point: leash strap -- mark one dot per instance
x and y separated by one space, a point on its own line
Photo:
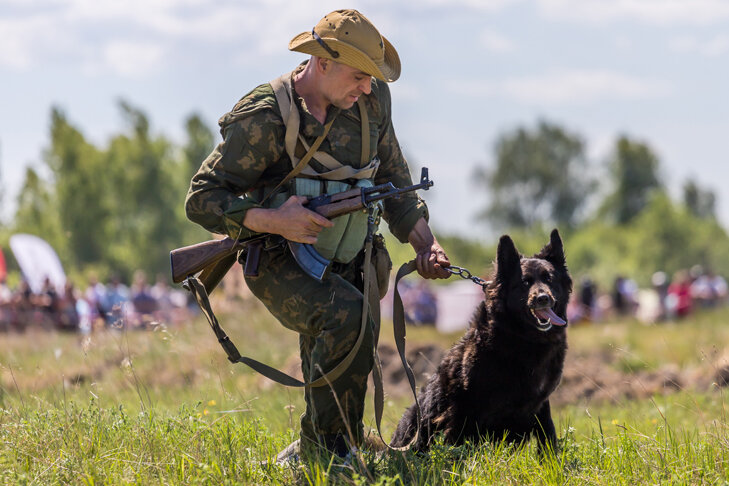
398 325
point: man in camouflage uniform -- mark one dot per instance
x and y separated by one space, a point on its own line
226 193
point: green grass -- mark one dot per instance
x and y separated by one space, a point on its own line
166 407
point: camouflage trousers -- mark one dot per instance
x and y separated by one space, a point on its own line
327 315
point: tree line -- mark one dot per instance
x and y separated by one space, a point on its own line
114 208
118 207
617 214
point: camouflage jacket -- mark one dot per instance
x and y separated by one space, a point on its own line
252 156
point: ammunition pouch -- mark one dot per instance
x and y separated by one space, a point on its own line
343 241
382 264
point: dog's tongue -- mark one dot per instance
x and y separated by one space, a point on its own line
549 314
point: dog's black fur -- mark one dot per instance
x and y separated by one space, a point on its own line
496 381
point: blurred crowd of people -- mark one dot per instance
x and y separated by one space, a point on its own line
420 302
666 299
113 304
141 305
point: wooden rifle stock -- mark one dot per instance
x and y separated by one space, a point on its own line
192 259
189 260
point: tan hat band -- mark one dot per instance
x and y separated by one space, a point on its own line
321 42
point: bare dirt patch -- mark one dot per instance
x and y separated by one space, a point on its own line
591 377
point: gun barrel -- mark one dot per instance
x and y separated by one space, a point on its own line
372 196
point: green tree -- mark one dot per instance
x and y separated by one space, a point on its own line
199 144
145 192
118 208
701 202
634 171
81 190
656 239
541 177
37 213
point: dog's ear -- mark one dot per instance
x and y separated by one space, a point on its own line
508 260
553 251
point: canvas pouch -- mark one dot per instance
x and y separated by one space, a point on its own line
382 264
342 242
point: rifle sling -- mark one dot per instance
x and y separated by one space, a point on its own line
211 276
370 300
198 290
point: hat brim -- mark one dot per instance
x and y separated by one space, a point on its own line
388 70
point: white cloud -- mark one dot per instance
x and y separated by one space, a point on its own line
487 5
90 32
568 87
23 41
133 59
495 42
650 11
42 31
31 32
714 47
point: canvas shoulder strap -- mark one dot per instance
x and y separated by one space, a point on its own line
335 170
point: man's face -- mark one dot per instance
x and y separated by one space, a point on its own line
343 84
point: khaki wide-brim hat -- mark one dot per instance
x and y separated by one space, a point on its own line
348 37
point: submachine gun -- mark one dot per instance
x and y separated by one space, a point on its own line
214 258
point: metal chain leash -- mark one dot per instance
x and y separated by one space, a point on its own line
465 274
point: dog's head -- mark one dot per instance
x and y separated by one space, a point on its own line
533 290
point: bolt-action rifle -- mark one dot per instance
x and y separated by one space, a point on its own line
214 258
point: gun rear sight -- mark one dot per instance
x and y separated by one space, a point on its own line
382 191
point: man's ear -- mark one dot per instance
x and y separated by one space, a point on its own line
321 63
508 260
553 251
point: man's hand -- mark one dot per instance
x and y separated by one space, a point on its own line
290 220
430 258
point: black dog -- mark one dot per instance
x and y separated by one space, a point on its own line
496 381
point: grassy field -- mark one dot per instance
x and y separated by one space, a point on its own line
166 407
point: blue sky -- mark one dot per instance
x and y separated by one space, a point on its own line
656 70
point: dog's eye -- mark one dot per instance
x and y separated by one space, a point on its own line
528 281
546 277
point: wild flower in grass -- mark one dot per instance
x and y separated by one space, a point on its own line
212 403
126 362
290 408
615 422
86 345
161 328
206 412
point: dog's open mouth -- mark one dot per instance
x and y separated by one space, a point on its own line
546 318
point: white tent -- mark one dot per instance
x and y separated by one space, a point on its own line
456 304
37 261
